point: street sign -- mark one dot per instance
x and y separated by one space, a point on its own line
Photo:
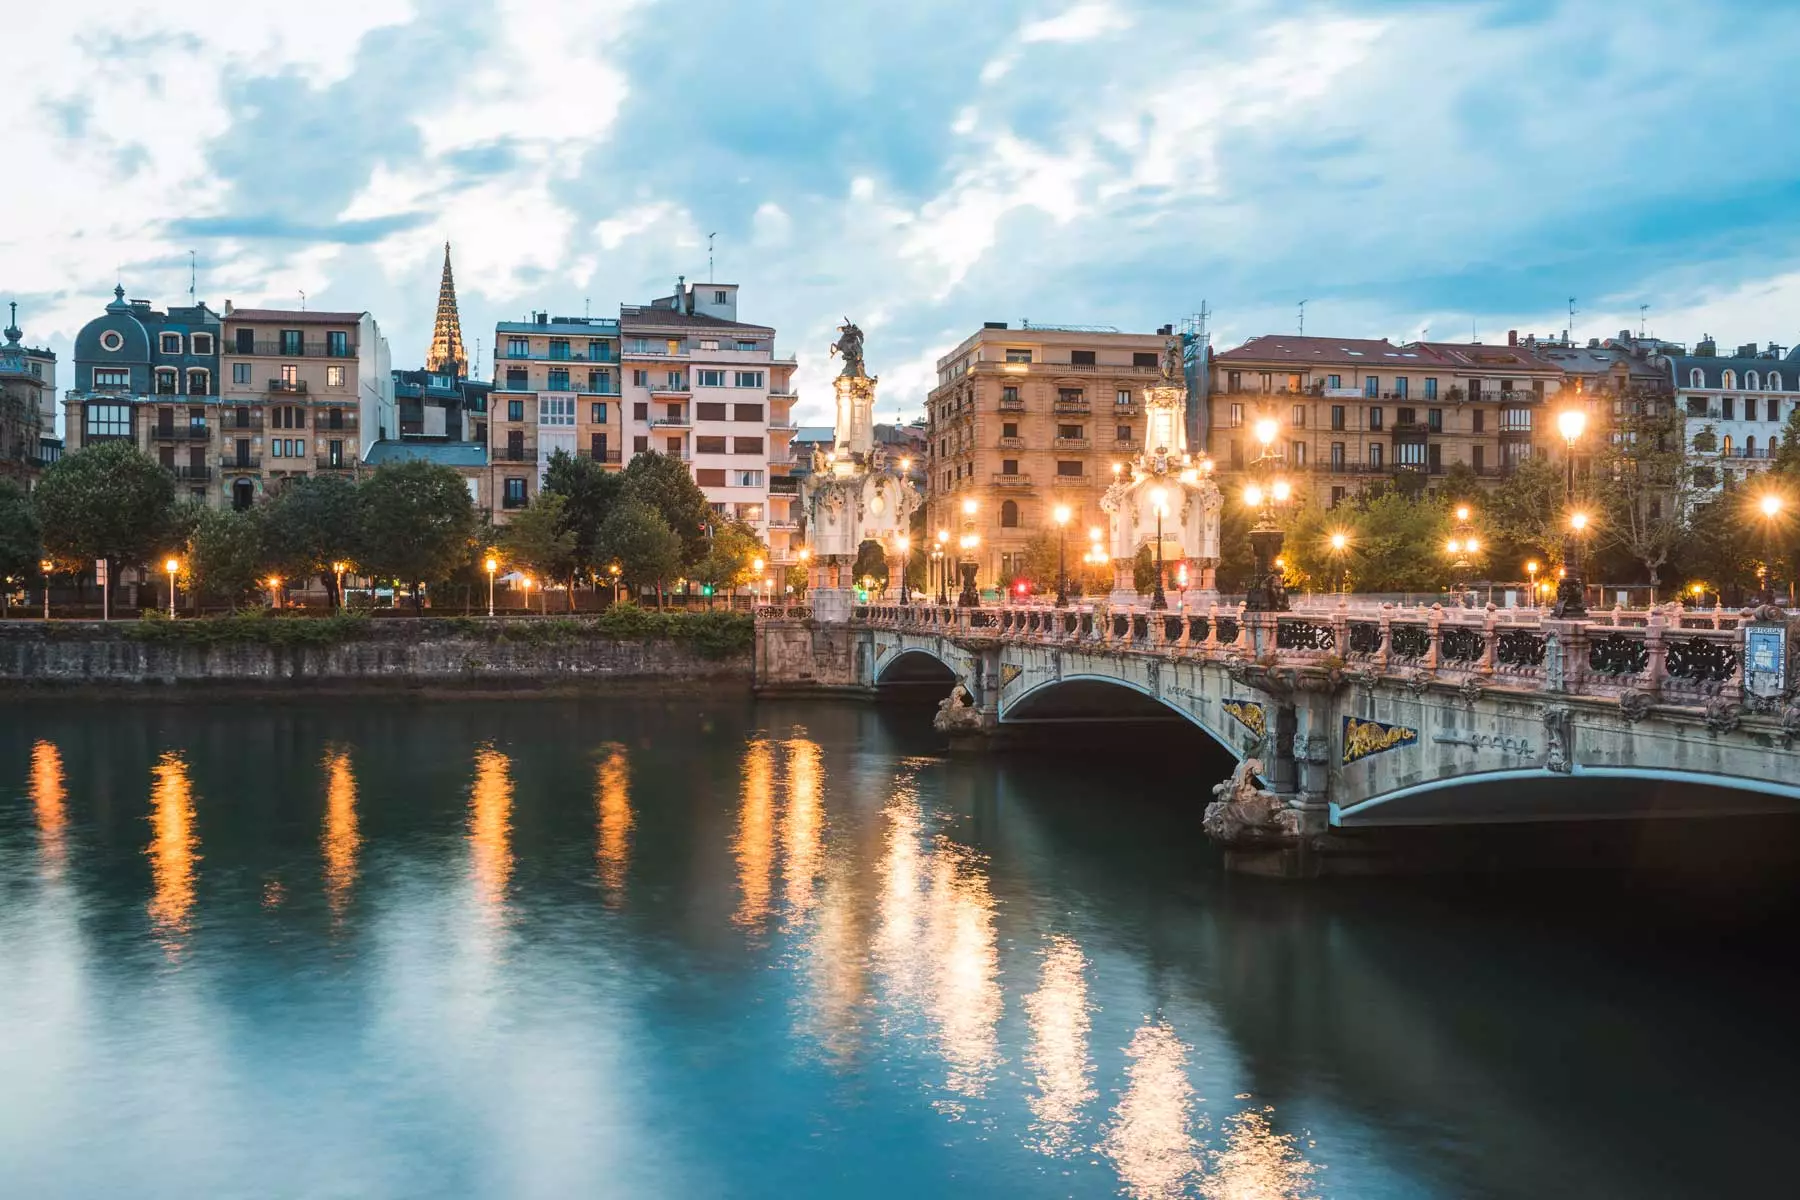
1765 658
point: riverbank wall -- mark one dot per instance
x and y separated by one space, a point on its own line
443 656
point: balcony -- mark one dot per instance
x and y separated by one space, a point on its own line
1515 433
301 349
285 387
1063 405
1011 480
341 462
1013 405
180 433
229 423
240 462
1127 445
608 457
669 389
188 473
1130 408
1411 429
1012 443
671 422
784 485
1075 443
515 454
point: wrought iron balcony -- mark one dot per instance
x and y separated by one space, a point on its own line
284 349
285 387
240 462
599 456
181 433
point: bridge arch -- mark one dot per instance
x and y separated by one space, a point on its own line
1016 709
1587 793
910 663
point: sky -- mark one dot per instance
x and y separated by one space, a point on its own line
1404 168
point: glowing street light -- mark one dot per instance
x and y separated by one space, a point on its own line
1253 496
46 566
492 565
172 566
1531 570
337 569
1571 592
274 591
1339 542
1062 514
1265 430
1770 506
1159 499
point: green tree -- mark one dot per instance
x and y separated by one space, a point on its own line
1395 544
1642 485
1526 513
590 491
1721 548
1785 462
309 525
106 501
727 561
539 540
637 538
871 563
21 542
415 523
225 554
665 485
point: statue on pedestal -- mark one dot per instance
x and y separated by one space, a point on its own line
850 345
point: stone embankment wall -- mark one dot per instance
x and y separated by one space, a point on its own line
449 656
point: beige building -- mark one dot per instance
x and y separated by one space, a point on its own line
1025 419
1352 411
301 393
556 387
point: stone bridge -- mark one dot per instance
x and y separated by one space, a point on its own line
1362 715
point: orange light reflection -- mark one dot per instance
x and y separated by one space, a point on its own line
49 797
1256 1161
1150 1138
802 828
754 845
339 840
1058 1018
612 798
490 827
172 848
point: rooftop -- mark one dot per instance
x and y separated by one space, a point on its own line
447 454
1481 355
293 316
1281 348
644 316
576 326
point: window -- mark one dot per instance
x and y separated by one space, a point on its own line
518 347
1696 406
169 343
672 345
1122 433
199 383
1375 455
240 372
1298 420
1400 387
1018 356
1375 420
1696 378
202 343
556 410
246 341
1081 358
1728 408
1478 458
516 379
1070 431
1405 416
1235 417
1071 396
1750 381
334 377
710 412
108 377
746 445
1479 420
721 297
1122 398
515 410
515 492
1144 358
106 420
1009 395
673 447
710 476
1750 446
1337 496
1409 454
749 379
337 344
1431 388
1008 466
165 381
1725 445
1372 386
1774 381
278 447
640 411
1434 420
640 445
336 418
1297 454
1009 514
712 378
709 445
639 345
1069 468
1337 456
750 479
558 380
674 381
1334 381
1234 381
1728 380
596 414
1774 409
559 349
291 342
747 412
746 345
290 375
1010 429
640 379
599 351
1515 420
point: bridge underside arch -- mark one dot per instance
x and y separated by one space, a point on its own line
913 665
1588 794
1099 700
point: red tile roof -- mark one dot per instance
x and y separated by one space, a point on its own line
294 316
1484 357
1285 348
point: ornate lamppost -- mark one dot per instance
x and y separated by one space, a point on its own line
1570 591
46 566
338 568
1770 507
172 566
1159 500
1266 593
1531 570
1062 516
1340 543
493 565
966 564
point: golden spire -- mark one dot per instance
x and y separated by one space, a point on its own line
447 356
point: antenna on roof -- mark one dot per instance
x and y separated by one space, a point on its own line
709 256
585 302
302 301
1643 311
1569 333
193 277
477 374
1303 305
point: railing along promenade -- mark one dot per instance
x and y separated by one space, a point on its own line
1670 655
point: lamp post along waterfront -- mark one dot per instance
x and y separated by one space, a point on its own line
1267 593
172 566
1570 591
492 566
46 566
1063 515
1770 507
1159 499
968 597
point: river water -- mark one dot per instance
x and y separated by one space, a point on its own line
709 947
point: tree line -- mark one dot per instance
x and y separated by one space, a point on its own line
413 523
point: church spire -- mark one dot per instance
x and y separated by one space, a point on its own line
447 356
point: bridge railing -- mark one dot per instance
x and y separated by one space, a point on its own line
1672 655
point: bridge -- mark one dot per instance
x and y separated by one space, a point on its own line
1346 714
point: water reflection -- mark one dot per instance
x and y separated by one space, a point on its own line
339 840
1058 1015
966 998
490 828
802 827
172 848
49 798
612 798
1150 1138
1256 1162
754 845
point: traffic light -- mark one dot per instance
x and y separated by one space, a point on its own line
1021 587
706 589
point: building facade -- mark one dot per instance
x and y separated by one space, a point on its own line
1024 420
556 387
303 393
28 440
1734 409
151 378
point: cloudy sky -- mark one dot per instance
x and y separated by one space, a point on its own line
921 166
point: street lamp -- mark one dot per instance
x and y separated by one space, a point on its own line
1340 542
525 593
1159 499
172 566
1699 592
1267 592
614 570
274 591
903 544
1770 507
942 554
338 568
1062 515
1570 592
1531 570
492 565
756 566
46 566
966 565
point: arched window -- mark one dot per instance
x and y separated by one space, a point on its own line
1725 445
1009 515
199 382
1697 378
1774 381
1728 380
1750 446
1751 382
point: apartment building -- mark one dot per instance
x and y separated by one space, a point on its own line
302 393
556 387
702 386
1734 409
28 441
1355 410
150 378
1022 420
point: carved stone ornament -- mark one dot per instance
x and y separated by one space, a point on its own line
1722 715
1313 748
1245 815
1417 682
1634 706
957 713
1470 690
1559 739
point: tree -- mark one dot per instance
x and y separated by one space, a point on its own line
1720 549
309 525
225 554
1526 512
590 491
106 501
21 543
664 484
637 538
1039 566
727 561
414 523
1643 485
538 540
871 563
1395 544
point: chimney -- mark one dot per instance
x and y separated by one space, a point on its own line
1512 337
228 306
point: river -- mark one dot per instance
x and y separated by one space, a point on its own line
680 946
